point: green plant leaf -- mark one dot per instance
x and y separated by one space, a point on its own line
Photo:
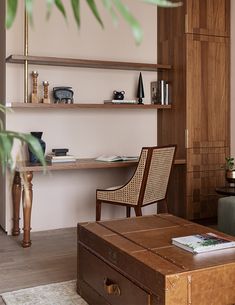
130 19
93 7
8 137
6 143
49 4
164 3
29 9
76 10
11 12
61 8
108 5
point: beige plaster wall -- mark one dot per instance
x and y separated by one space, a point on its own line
61 199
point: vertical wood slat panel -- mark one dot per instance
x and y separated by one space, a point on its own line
207 89
207 158
208 17
195 39
201 196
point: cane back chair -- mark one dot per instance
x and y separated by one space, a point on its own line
148 185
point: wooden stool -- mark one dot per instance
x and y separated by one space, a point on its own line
226 215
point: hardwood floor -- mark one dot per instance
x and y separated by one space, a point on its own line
52 258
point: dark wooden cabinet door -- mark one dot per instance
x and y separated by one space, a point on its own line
207 17
207 92
205 172
202 199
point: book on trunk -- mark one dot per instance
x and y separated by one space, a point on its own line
200 243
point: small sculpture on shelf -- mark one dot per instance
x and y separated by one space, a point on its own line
46 98
63 95
34 95
118 95
140 90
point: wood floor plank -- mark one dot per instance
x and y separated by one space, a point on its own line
52 258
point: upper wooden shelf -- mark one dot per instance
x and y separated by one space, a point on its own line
85 106
85 63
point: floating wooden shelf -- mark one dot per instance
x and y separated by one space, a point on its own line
85 106
84 63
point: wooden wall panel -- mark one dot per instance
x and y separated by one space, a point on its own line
206 159
194 39
208 81
208 17
172 124
201 196
177 191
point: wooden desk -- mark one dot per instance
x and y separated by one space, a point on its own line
24 171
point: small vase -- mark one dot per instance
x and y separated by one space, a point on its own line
38 135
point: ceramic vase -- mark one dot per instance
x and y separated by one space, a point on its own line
38 135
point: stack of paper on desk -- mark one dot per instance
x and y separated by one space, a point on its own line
60 159
116 158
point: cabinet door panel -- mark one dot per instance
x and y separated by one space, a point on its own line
201 196
208 17
207 92
206 159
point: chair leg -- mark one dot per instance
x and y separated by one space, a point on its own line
138 211
128 211
98 210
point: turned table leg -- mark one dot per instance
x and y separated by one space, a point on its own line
16 196
27 207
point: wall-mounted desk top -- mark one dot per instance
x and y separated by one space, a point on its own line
86 163
25 170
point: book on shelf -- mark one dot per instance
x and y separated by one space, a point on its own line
115 158
60 159
200 243
120 101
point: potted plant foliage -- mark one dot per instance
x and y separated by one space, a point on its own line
230 170
7 139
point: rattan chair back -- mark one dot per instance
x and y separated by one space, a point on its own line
148 184
157 174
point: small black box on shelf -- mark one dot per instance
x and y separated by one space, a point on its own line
60 151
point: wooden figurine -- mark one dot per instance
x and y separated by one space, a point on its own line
34 95
46 98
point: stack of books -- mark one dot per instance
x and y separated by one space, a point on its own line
52 158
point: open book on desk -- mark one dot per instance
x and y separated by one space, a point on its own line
116 158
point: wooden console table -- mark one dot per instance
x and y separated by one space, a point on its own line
25 190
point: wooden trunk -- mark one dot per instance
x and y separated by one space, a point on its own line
132 262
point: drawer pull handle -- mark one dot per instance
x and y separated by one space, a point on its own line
111 288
